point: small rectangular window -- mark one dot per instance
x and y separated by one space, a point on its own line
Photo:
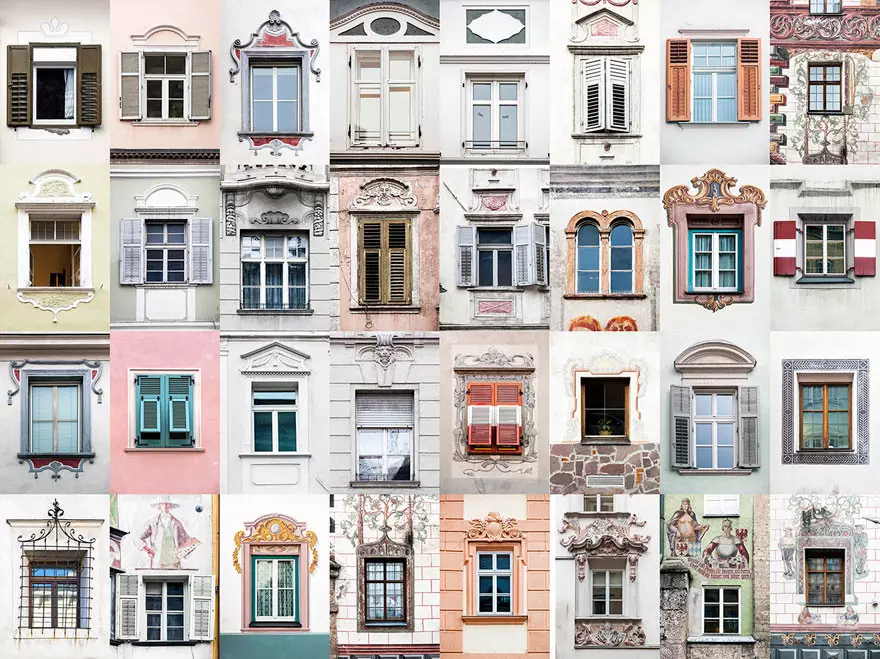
715 429
385 425
607 593
55 246
274 271
495 583
721 505
53 589
825 249
715 260
599 503
165 610
165 82
825 576
384 112
274 409
275 586
164 411
55 418
720 610
275 98
494 257
495 114
605 404
826 411
166 252
714 81
825 87
385 597
385 268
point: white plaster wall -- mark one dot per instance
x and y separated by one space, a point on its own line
822 477
854 189
741 143
739 316
237 509
88 515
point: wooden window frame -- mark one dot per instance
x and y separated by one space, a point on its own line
607 598
599 500
721 590
384 252
387 136
53 582
825 411
583 393
825 84
825 555
385 621
824 241
494 448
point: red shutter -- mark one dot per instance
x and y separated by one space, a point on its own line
865 238
678 80
784 248
508 416
750 102
480 402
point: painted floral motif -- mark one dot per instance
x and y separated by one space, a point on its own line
397 512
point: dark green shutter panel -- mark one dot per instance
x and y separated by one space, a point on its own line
371 270
18 74
89 78
749 448
680 398
149 410
180 410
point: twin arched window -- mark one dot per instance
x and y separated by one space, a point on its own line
590 257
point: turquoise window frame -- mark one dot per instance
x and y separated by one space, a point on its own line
174 403
739 261
296 591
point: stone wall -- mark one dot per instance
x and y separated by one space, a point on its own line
571 465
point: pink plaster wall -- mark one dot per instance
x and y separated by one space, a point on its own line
195 18
180 471
425 191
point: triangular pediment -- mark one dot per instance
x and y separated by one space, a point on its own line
604 14
276 358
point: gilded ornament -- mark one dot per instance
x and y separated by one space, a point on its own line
276 529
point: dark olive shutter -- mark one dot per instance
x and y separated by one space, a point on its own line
200 85
749 448
398 263
18 75
371 262
680 398
88 72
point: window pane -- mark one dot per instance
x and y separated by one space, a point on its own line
154 64
502 561
704 457
286 431
507 91
400 109
400 65
262 83
621 282
55 93
176 234
838 397
703 435
588 282
507 125
482 91
621 236
702 97
838 430
262 116
502 584
503 604
485 585
370 442
505 268
703 404
262 432
68 436
724 404
399 442
288 119
398 469
812 430
726 96
485 561
588 235
724 433
621 258
288 83
482 125
588 258
369 66
273 397
485 604
175 64
725 457
812 397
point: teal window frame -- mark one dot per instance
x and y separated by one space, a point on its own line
274 410
739 261
169 424
277 622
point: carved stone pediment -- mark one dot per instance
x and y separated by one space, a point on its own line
384 547
714 356
275 359
384 195
608 536
494 360
385 362
714 189
494 528
276 218
277 532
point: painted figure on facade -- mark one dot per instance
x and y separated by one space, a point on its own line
727 550
848 617
786 547
806 618
684 531
164 538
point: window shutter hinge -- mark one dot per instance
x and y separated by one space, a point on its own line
527 84
349 130
462 85
349 61
420 131
210 101
420 61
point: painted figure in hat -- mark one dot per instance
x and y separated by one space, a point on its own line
164 538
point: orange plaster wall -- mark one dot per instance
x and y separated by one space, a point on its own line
453 550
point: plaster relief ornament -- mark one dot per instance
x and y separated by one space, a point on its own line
608 634
164 538
727 550
384 194
496 26
684 531
714 190
277 529
610 536
494 529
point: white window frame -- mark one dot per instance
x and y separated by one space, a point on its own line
55 64
164 247
494 574
721 619
274 560
495 103
720 505
165 78
385 83
716 277
606 95
607 571
164 613
715 70
823 5
494 248
593 503
284 260
714 420
274 66
413 467
274 409
54 384
77 248
824 226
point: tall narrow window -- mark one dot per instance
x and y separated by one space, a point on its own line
384 260
621 259
166 252
606 90
825 87
274 271
275 99
385 582
494 257
588 258
714 429
55 247
826 416
495 114
607 596
720 610
54 594
274 411
384 97
494 581
165 610
55 418
715 260
825 249
714 81
165 78
825 576
385 424
274 589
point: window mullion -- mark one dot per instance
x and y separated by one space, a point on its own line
262 279
275 99
55 418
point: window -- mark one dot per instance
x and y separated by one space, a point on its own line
275 588
825 6
166 252
715 260
55 249
494 578
588 258
605 404
826 411
165 610
274 411
495 116
599 503
164 411
494 417
275 98
825 576
825 249
606 252
54 93
54 595
274 271
607 595
606 85
165 78
621 259
494 257
720 610
720 505
714 81
384 97
825 87
384 260
385 424
55 418
714 429
385 591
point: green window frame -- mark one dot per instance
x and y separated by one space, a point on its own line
275 619
164 411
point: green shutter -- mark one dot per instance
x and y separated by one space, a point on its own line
149 410
180 410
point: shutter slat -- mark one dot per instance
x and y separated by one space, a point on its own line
130 86
200 85
594 95
149 406
522 251
467 237
89 74
508 416
18 97
678 80
127 587
680 398
201 251
202 607
749 449
131 268
618 94
384 410
539 238
749 80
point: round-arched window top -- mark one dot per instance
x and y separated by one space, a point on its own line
621 235
588 235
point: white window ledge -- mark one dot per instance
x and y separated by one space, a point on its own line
273 454
167 124
144 449
714 472
729 638
55 289
385 484
715 124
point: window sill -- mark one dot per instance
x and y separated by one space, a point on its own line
56 289
713 472
392 627
276 624
167 643
621 440
608 618
494 620
51 126
245 133
180 123
824 280
820 113
731 638
386 308
496 289
712 124
384 484
825 450
604 296
605 135
690 291
273 312
58 456
138 449
164 286
273 454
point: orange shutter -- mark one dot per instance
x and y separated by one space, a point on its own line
678 80
508 416
480 402
749 80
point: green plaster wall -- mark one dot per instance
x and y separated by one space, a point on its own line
289 646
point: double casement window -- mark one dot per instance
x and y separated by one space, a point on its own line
164 610
385 596
53 85
825 87
494 416
599 503
164 87
274 409
54 417
825 6
825 249
501 257
385 425
385 262
826 416
589 259
494 583
824 574
721 505
721 610
275 98
715 429
607 592
606 94
166 252
164 411
715 260
54 594
275 586
605 406
713 81
55 248
495 116
274 271
384 102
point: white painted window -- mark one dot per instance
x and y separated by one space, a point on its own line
494 583
275 98
714 82
55 248
384 101
825 249
165 79
721 610
721 505
166 252
599 503
275 585
715 261
495 117
607 592
715 429
606 94
274 412
274 271
385 426
54 89
165 610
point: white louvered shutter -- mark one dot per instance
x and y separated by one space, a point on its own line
539 241
127 590
130 86
617 94
523 248
202 608
680 399
201 260
749 447
467 237
131 254
594 95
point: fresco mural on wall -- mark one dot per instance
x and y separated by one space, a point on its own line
684 531
724 555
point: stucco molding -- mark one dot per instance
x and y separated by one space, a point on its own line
141 40
713 190
275 529
494 360
275 359
609 536
274 32
385 354
710 356
96 370
54 188
588 634
494 528
384 195
55 301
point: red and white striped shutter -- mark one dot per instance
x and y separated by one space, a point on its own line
508 417
784 248
480 402
865 248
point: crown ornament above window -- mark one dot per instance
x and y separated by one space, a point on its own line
714 190
54 28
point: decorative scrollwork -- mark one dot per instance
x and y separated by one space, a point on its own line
714 190
278 529
494 528
274 32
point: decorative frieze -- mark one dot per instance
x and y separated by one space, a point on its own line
608 634
494 528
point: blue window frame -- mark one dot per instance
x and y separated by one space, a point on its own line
164 411
275 589
588 258
715 260
714 82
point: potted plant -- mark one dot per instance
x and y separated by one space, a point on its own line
606 426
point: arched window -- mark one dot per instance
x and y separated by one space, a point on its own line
588 258
621 258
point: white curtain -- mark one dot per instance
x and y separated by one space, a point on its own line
69 92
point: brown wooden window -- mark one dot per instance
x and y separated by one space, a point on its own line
384 255
825 576
605 407
385 597
825 87
54 595
826 416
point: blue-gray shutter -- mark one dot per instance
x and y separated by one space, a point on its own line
467 257
680 400
749 447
